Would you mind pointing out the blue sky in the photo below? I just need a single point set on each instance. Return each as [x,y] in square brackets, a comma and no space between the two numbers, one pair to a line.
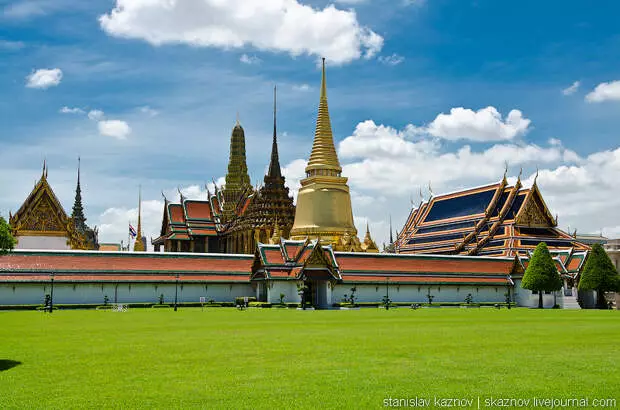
[434,90]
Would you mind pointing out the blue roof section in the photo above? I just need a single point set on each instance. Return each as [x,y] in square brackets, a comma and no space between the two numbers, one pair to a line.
[459,206]
[516,205]
[448,227]
[501,202]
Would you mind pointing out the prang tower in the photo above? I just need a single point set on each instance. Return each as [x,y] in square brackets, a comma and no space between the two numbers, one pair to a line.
[324,202]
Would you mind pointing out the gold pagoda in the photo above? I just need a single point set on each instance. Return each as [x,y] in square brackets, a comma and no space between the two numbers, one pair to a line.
[324,203]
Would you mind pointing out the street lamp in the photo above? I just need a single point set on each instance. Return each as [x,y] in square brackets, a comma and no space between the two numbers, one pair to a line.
[176,287]
[52,292]
[387,293]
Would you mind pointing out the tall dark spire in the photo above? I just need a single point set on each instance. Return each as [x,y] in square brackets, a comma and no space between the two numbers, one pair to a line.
[79,220]
[274,165]
[237,178]
[391,237]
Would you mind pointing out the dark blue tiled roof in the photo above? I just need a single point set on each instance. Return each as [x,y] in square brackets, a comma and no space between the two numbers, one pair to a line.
[447,227]
[436,238]
[516,205]
[460,206]
[557,242]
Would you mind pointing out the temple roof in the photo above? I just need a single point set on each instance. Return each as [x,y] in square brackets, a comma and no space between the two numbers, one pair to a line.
[496,220]
[88,266]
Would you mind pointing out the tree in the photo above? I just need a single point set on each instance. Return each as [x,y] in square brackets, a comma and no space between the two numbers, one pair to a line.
[599,274]
[7,242]
[541,274]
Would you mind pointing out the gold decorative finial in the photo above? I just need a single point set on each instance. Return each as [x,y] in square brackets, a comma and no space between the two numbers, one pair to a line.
[138,246]
[323,154]
[535,176]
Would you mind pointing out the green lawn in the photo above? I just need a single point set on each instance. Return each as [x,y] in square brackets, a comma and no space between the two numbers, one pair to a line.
[276,358]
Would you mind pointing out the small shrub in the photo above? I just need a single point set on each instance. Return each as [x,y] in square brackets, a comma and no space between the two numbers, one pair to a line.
[469,298]
[106,300]
[161,299]
[282,296]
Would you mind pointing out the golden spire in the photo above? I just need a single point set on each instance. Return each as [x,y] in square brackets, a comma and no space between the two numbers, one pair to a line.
[138,246]
[323,154]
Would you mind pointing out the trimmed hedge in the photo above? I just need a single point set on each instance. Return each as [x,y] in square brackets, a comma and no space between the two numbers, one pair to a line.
[239,300]
[158,306]
[260,304]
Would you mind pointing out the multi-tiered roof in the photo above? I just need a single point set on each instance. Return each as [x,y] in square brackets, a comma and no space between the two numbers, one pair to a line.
[496,220]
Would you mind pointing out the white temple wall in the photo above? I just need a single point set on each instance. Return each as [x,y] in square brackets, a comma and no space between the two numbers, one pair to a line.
[418,293]
[289,288]
[527,298]
[42,242]
[91,293]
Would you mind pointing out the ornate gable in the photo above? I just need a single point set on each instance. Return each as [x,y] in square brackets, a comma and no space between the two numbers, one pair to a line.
[534,211]
[41,213]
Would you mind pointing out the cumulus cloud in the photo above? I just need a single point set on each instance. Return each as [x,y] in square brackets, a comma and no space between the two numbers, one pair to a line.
[392,60]
[11,45]
[572,89]
[301,87]
[275,25]
[383,158]
[605,92]
[95,115]
[247,59]
[114,128]
[486,124]
[151,112]
[69,110]
[44,78]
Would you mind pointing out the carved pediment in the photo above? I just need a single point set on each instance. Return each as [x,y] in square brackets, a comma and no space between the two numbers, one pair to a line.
[317,259]
[533,214]
[43,217]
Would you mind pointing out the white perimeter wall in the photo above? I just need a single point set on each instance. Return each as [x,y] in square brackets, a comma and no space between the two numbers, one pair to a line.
[28,293]
[526,298]
[415,293]
[42,242]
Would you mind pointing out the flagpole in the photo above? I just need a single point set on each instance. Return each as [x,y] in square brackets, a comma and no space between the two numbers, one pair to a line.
[128,236]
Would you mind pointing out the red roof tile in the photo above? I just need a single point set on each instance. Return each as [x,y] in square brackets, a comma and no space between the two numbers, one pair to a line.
[198,209]
[88,262]
[176,213]
[412,264]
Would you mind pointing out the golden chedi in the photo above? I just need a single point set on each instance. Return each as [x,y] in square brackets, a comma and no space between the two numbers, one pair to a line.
[324,202]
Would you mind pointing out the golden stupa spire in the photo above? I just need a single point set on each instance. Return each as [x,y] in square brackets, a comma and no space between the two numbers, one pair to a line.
[138,245]
[323,154]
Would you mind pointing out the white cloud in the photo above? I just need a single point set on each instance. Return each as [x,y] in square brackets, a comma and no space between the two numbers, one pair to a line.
[392,60]
[247,59]
[114,128]
[24,9]
[572,89]
[96,115]
[486,124]
[11,45]
[149,111]
[44,78]
[301,87]
[383,159]
[274,25]
[605,92]
[69,110]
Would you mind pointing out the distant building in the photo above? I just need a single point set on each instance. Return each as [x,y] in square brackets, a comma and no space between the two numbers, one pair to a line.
[612,247]
[110,247]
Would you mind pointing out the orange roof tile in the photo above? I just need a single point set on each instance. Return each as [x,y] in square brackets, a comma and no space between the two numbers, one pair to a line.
[198,209]
[93,262]
[411,263]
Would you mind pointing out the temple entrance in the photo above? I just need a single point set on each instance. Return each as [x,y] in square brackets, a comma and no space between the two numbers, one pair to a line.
[317,293]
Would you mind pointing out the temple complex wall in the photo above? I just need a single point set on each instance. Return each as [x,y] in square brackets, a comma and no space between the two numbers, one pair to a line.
[93,293]
[43,242]
[418,294]
[527,298]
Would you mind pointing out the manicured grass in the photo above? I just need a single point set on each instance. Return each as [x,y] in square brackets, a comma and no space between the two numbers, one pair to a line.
[264,358]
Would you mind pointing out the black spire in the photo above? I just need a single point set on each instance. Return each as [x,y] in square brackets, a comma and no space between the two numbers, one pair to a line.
[391,237]
[78,210]
[274,172]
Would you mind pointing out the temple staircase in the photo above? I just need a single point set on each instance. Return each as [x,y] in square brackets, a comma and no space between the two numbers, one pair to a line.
[570,301]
